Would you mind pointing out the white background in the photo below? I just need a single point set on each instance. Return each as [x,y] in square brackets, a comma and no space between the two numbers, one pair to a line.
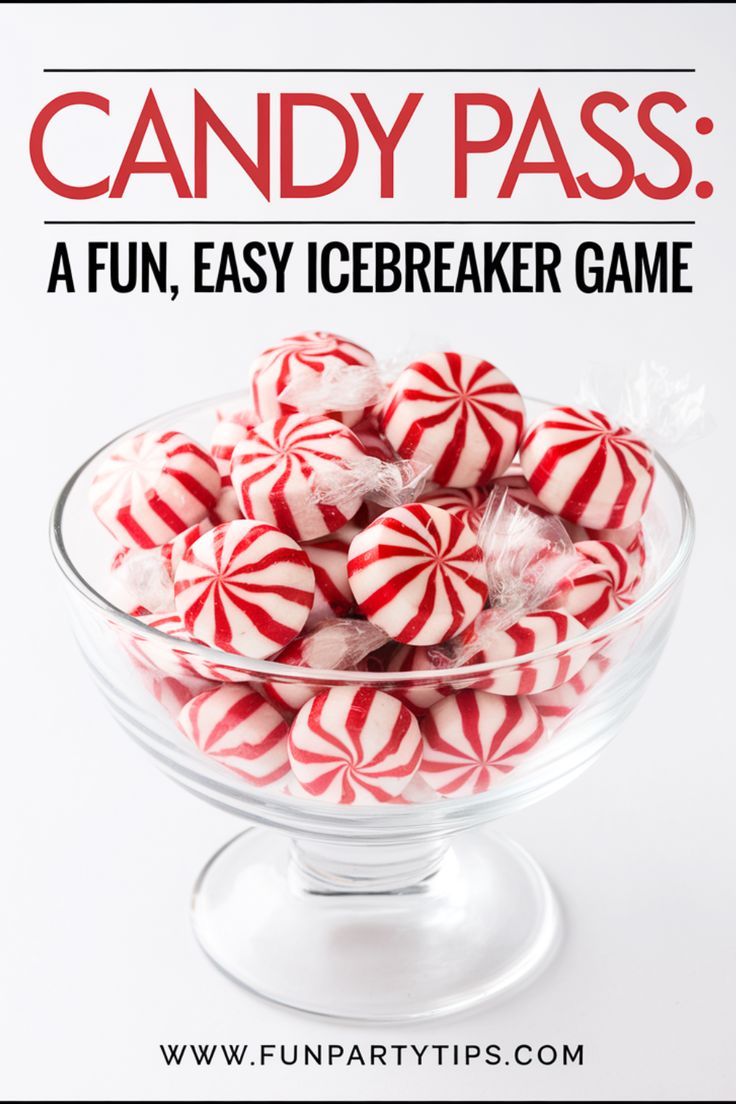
[99,851]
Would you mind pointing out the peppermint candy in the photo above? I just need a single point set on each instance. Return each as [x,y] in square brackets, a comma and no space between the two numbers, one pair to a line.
[334,645]
[328,373]
[519,491]
[554,706]
[228,432]
[534,632]
[245,588]
[143,578]
[226,508]
[465,503]
[236,728]
[603,584]
[354,746]
[587,469]
[172,694]
[279,465]
[457,413]
[371,438]
[152,486]
[418,698]
[328,558]
[418,573]
[631,540]
[473,739]
[157,655]
[173,551]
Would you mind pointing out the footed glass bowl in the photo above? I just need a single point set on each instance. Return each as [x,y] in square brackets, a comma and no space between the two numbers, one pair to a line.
[376,912]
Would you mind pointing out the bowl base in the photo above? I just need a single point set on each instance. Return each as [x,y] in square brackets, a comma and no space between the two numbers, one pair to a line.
[482,922]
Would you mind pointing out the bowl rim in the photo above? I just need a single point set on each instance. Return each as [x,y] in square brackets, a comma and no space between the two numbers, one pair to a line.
[272,670]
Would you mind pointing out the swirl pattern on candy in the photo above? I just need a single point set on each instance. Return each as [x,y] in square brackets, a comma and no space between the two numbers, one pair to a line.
[465,503]
[228,432]
[631,539]
[554,706]
[237,728]
[418,698]
[157,655]
[418,573]
[275,467]
[171,693]
[297,359]
[226,508]
[329,560]
[587,469]
[152,486]
[519,491]
[245,588]
[354,746]
[534,632]
[473,738]
[457,413]
[375,444]
[335,645]
[603,585]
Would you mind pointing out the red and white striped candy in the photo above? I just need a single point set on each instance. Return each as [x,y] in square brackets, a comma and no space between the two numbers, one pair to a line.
[289,697]
[299,359]
[228,431]
[275,467]
[603,585]
[160,655]
[631,540]
[335,645]
[171,693]
[245,588]
[532,633]
[457,413]
[234,726]
[173,551]
[354,746]
[371,438]
[152,486]
[226,508]
[555,705]
[473,739]
[518,490]
[329,559]
[418,573]
[143,578]
[587,469]
[418,698]
[465,503]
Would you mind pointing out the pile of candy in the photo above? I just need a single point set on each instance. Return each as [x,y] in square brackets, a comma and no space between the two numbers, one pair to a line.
[340,522]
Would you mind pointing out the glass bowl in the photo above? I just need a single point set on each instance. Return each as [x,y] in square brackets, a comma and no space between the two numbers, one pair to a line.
[375,912]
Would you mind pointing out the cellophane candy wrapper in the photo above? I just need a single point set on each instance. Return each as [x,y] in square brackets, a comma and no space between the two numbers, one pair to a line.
[339,645]
[386,483]
[529,556]
[362,388]
[666,407]
[530,559]
[334,388]
[142,579]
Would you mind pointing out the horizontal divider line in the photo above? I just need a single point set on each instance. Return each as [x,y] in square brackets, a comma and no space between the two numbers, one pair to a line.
[369,222]
[209,70]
